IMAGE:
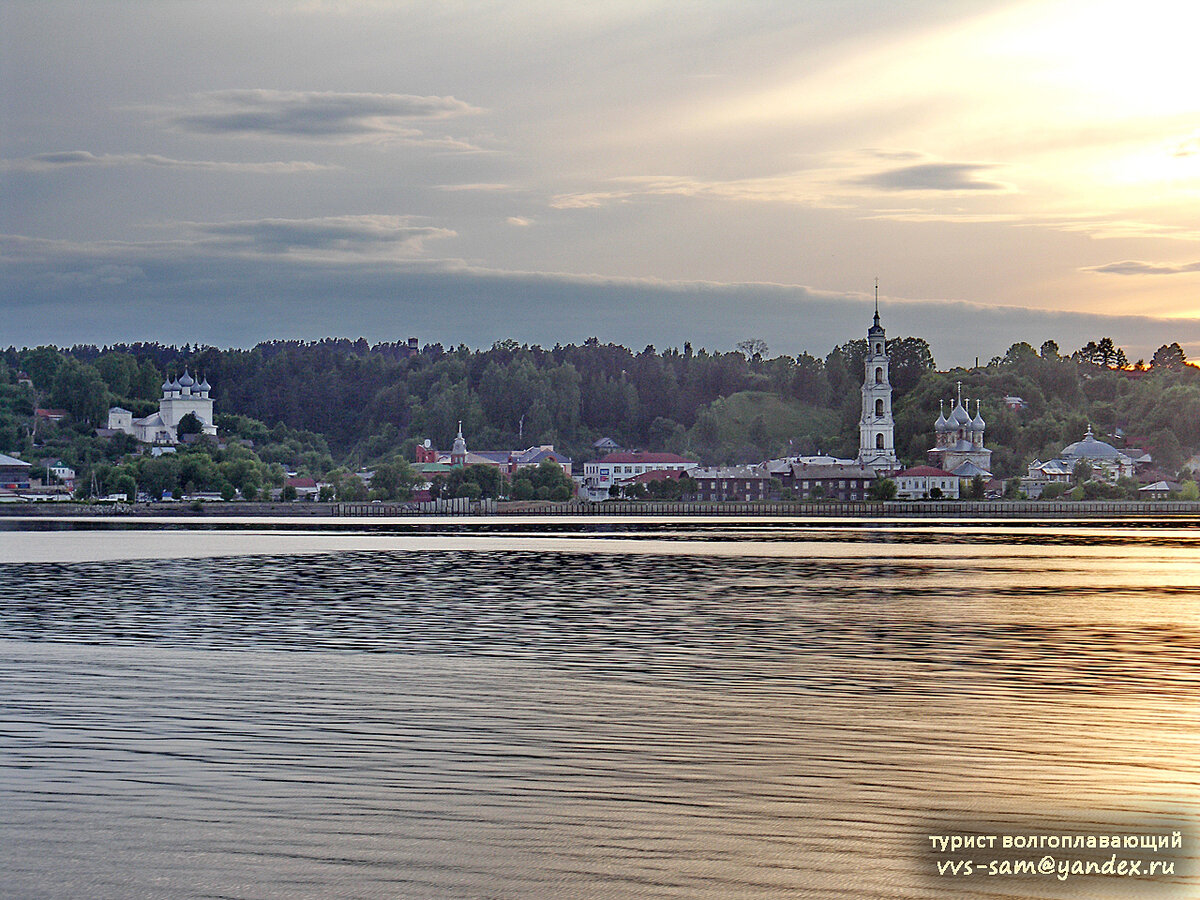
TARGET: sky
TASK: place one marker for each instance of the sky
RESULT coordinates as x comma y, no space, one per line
644,172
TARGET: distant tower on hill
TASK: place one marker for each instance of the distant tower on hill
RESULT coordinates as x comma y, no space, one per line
876,427
458,453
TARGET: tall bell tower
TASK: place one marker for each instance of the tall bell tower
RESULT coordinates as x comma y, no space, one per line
876,428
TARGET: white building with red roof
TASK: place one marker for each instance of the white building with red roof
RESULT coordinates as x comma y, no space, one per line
926,483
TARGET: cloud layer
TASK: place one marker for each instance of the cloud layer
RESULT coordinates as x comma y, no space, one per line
1138,267
336,236
243,282
72,159
313,115
933,177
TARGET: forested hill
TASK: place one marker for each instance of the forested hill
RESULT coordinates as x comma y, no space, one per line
339,401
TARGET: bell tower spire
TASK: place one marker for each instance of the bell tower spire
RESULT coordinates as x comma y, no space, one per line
876,427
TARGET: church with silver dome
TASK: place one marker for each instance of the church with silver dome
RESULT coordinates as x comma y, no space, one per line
959,448
180,396
1106,461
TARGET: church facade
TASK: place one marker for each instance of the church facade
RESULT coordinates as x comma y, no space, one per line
180,397
876,427
959,441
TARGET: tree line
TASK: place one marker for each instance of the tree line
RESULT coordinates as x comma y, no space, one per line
322,406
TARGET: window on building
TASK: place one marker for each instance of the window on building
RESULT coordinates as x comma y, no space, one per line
879,407
879,374
879,442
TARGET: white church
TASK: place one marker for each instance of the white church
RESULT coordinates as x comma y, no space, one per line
180,397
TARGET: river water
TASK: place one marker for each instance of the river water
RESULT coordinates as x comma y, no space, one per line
578,709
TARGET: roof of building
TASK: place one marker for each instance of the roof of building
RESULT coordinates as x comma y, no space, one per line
924,472
1053,467
834,470
1090,448
961,446
969,470
50,413
727,472
431,468
641,456
535,455
12,462
959,417
302,482
1160,487
655,475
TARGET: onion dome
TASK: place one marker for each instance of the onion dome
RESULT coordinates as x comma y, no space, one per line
941,426
176,386
166,386
205,386
978,424
959,417
187,380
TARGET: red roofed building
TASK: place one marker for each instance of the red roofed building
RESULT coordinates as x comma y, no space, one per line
919,482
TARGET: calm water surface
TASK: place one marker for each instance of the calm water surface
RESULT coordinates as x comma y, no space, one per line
576,710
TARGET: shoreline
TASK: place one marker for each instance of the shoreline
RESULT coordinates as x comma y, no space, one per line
898,509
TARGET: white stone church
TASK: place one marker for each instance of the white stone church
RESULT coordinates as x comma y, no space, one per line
180,397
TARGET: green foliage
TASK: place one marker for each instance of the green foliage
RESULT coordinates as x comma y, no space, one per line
1054,490
976,489
311,407
393,480
759,425
1189,491
882,489
1169,356
546,481
79,389
472,482
1104,353
189,424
